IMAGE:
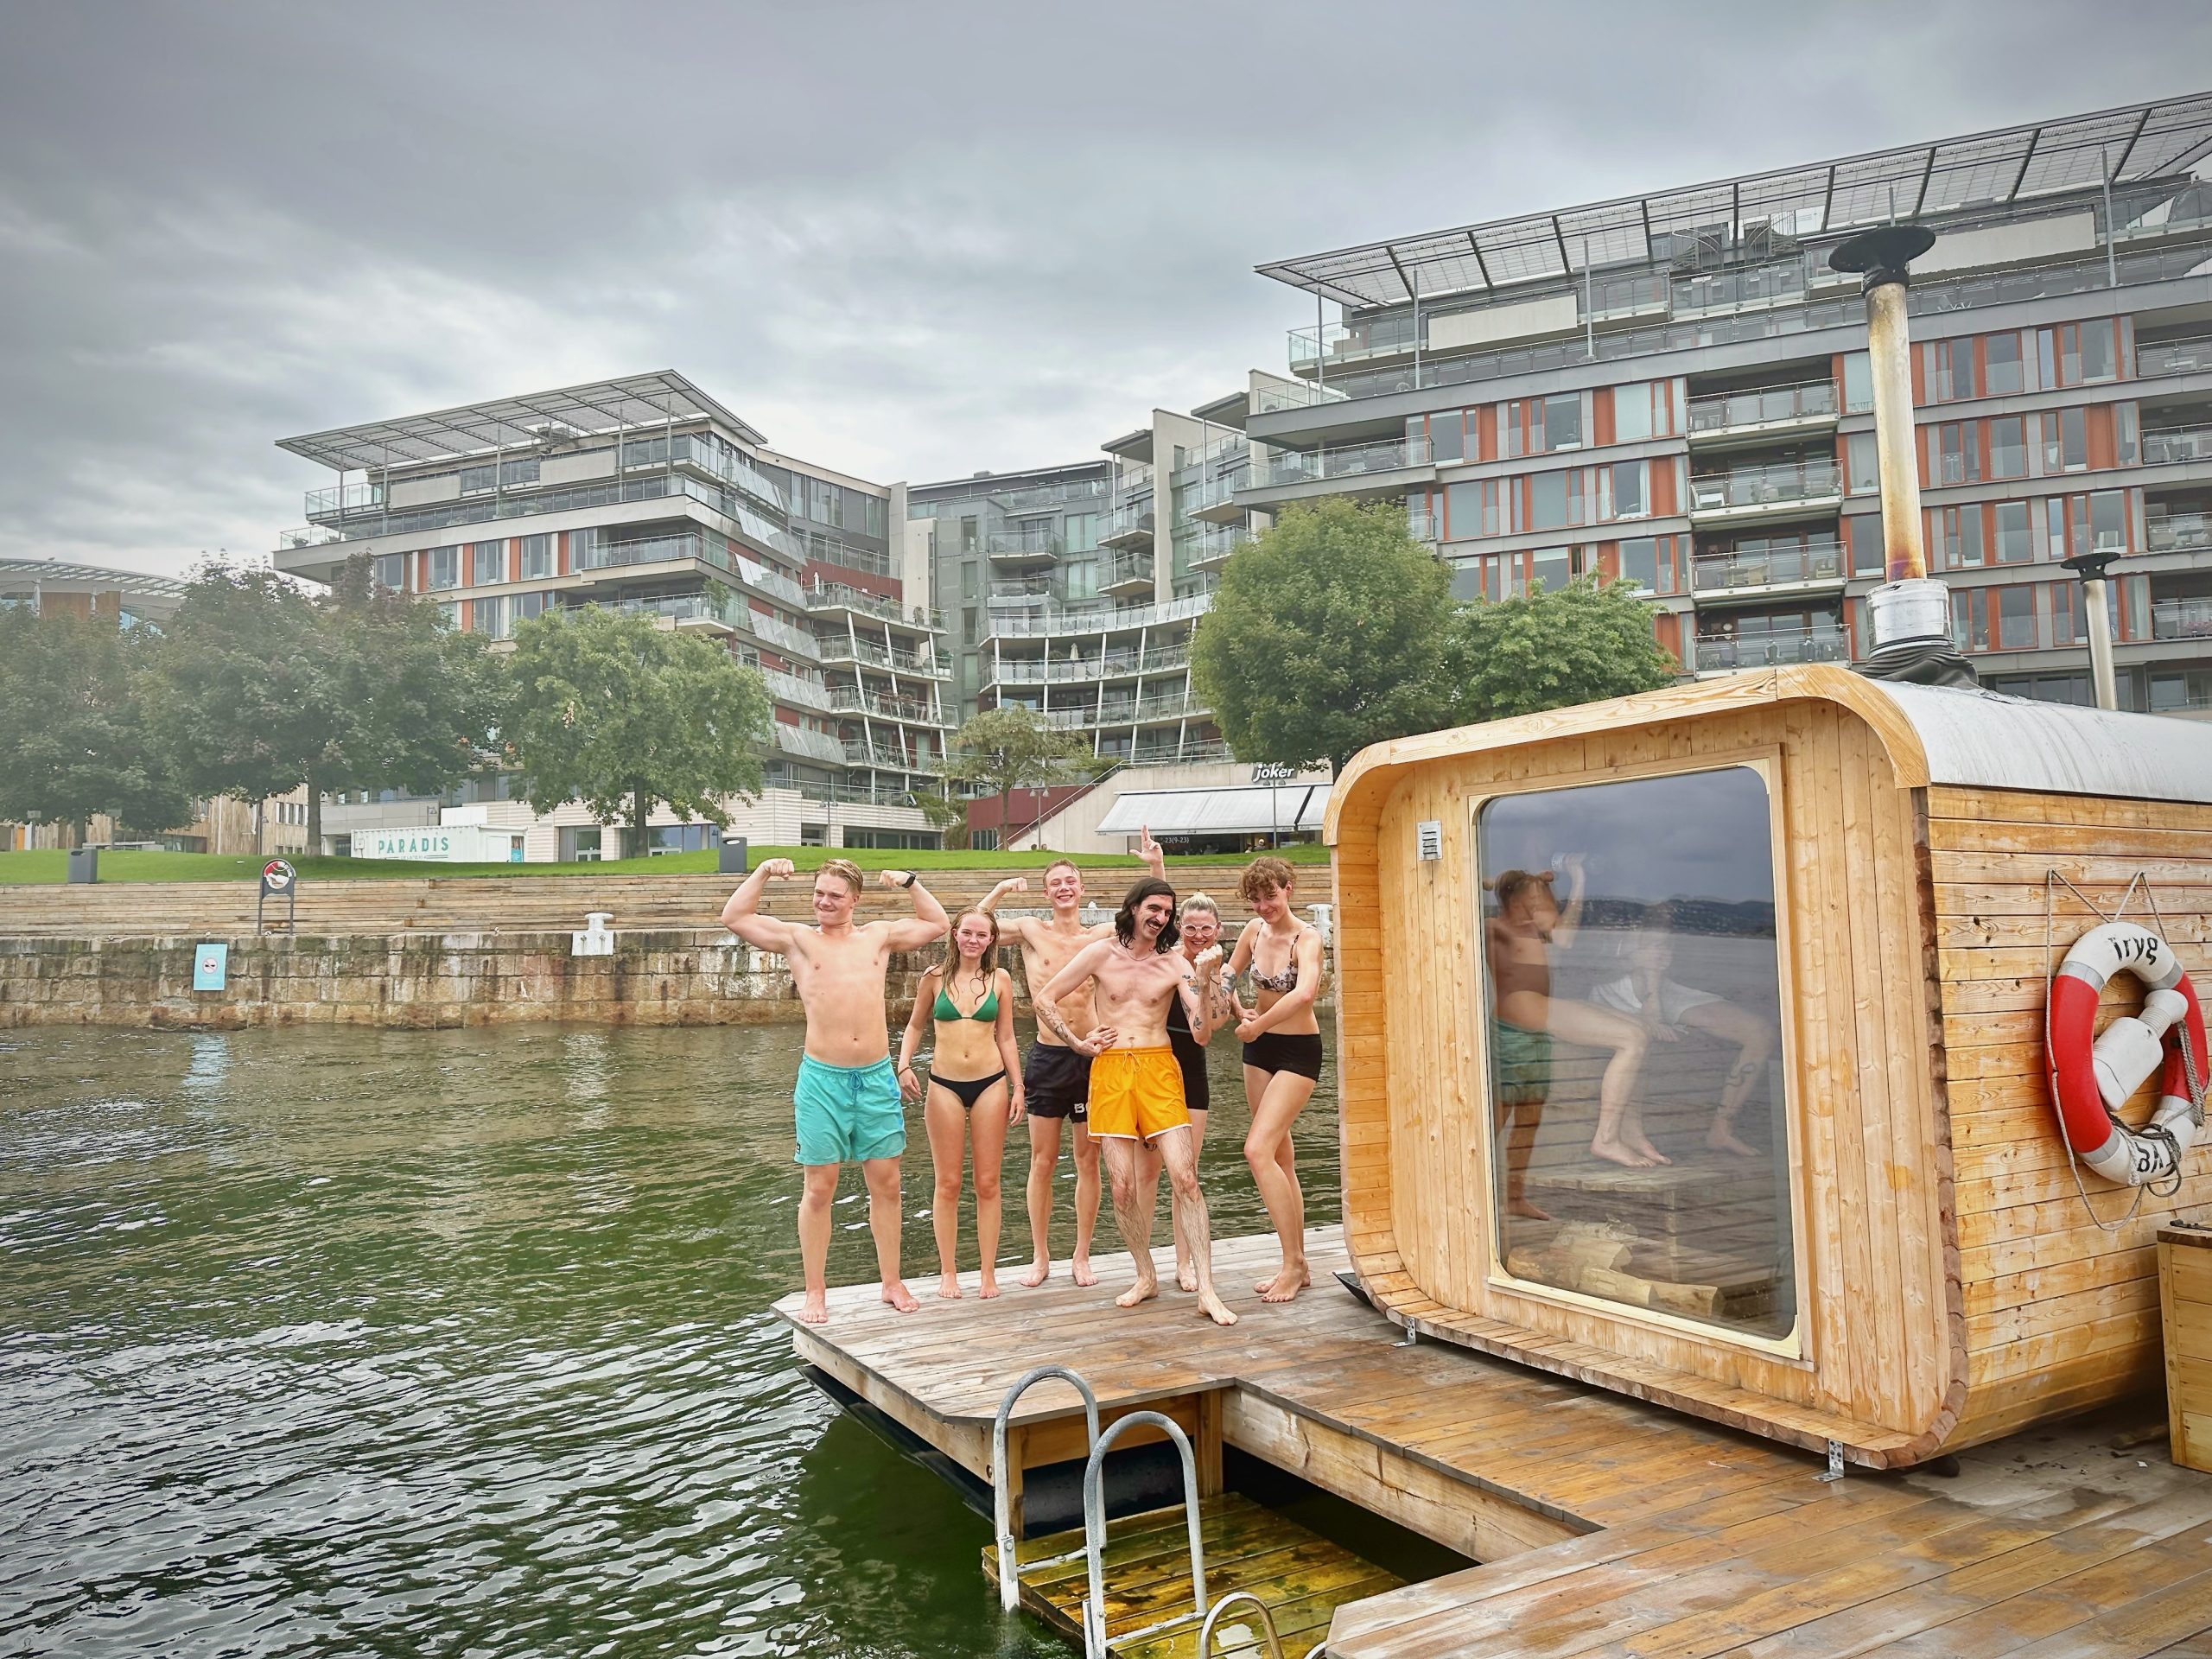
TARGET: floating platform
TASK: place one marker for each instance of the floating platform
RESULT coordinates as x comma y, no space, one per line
1603,1524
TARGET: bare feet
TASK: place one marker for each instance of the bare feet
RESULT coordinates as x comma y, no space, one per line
1642,1142
1143,1291
1085,1274
1620,1152
1526,1211
948,1286
896,1293
1038,1272
989,1287
1186,1276
1284,1283
1210,1305
1721,1137
814,1310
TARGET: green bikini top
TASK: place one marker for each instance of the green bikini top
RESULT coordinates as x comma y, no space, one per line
946,1008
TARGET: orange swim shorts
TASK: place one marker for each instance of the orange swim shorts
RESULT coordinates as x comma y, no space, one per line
1136,1094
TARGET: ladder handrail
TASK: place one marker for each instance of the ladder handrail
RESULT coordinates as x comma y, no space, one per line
1266,1623
1001,1507
1094,1525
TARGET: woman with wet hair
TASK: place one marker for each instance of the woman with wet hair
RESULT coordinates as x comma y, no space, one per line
1282,1056
974,1091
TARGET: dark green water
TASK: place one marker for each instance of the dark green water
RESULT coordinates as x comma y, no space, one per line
454,1344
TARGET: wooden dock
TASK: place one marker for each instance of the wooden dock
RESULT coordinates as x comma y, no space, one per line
1604,1525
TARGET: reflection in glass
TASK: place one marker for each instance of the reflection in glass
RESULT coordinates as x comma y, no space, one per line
1631,980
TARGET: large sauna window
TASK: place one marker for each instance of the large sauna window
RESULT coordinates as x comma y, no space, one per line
1632,982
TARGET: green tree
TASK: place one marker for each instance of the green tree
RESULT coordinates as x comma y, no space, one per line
948,812
259,688
608,709
73,737
1010,748
1553,648
1328,635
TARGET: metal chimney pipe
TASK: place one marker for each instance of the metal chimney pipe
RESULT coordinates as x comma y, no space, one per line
1909,614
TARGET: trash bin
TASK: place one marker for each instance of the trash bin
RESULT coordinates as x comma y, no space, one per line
83,864
731,852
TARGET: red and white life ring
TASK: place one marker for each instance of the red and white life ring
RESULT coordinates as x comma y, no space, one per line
2092,1074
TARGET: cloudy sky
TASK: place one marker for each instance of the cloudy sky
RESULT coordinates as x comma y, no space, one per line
909,240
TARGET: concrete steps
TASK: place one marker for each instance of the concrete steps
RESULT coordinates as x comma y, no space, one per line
525,904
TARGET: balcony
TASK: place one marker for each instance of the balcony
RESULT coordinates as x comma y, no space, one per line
1383,339
1118,711
1768,648
815,746
1424,525
306,535
1767,412
1288,467
2177,532
1214,500
1019,550
1161,749
2180,618
829,598
342,499
1128,525
1126,574
859,752
851,700
1168,656
2177,444
768,581
1738,571
1025,593
1098,620
1788,488
792,688
1070,720
1214,543
1172,705
1036,497
2159,357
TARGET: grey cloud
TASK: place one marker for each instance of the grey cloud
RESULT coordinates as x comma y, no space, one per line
909,240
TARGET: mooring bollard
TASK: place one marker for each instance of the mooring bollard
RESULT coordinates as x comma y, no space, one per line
595,940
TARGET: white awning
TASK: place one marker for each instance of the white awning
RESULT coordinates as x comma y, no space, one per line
1243,809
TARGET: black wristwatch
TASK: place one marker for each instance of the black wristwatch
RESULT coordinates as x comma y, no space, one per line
912,876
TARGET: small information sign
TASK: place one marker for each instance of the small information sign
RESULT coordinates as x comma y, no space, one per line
211,966
278,880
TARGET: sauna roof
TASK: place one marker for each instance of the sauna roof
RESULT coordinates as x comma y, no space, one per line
1933,735
1243,810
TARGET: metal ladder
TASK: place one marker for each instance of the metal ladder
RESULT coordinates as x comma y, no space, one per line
1094,1532
1001,1505
1267,1625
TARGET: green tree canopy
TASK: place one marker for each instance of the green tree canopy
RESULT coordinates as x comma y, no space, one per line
1581,643
1010,748
1328,635
73,737
259,687
608,709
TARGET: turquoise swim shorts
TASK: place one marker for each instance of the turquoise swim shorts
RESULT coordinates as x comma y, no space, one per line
1520,1061
847,1114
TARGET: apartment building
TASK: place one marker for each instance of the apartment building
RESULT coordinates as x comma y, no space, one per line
644,494
1672,388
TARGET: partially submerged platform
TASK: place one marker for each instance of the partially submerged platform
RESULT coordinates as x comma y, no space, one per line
1604,1525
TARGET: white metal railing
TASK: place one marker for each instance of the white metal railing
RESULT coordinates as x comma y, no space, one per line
1768,406
1815,562
2176,533
1765,486
1345,461
2180,618
2158,357
2177,444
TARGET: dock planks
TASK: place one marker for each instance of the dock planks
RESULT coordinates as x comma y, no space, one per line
1608,1525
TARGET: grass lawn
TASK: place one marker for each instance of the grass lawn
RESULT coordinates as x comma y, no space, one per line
47,868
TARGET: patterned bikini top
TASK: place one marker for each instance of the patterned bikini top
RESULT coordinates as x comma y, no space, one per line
1285,980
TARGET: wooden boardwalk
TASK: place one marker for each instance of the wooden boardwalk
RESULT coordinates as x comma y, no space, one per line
1605,1525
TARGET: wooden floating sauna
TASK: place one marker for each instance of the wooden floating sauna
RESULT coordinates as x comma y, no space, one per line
1793,925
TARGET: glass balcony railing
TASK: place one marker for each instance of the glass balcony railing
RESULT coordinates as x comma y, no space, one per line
1783,567
1125,572
2177,532
2180,618
1213,543
1172,707
1346,460
814,746
1755,487
1118,711
859,752
1068,719
795,689
1334,343
851,700
836,596
1218,492
1074,493
755,575
593,554
1770,649
1127,522
1097,619
2160,357
344,497
1737,412
1424,525
1037,544
2177,444
307,536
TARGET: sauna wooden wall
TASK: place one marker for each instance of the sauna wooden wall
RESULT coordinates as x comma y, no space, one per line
2059,1314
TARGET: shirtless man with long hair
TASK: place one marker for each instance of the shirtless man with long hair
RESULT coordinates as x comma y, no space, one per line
846,1102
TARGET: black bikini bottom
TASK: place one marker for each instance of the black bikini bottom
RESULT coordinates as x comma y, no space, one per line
969,1090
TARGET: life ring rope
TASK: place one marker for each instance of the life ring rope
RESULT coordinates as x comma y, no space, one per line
2067,1095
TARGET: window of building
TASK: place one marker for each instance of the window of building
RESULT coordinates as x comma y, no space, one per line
1447,434
1640,565
1862,535
487,563
445,569
1955,537
1082,532
2014,543
971,579
661,839
1467,578
1627,489
2108,521
1953,454
2008,446
969,632
1080,577
390,572
1548,500
1685,866
449,614
2002,369
969,542
1858,383
1946,370
1862,469
537,557
488,617
1995,619
526,605
476,480
2125,434
588,843
2065,440
1470,509
1563,422
1550,567
2100,355
1632,413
